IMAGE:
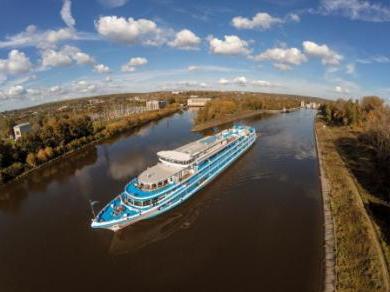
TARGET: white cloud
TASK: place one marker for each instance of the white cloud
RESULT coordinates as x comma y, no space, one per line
82,58
374,59
56,89
241,80
133,64
101,68
193,68
16,63
223,81
340,89
261,20
284,58
40,39
231,45
64,57
185,40
66,13
138,61
328,56
356,10
113,3
83,86
350,68
130,31
282,67
294,17
262,83
17,91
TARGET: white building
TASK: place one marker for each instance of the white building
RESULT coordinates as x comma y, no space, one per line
199,101
21,130
155,104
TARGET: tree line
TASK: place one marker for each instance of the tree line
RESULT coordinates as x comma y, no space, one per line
220,108
53,136
371,116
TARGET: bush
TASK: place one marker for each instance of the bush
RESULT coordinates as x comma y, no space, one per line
32,160
12,171
41,156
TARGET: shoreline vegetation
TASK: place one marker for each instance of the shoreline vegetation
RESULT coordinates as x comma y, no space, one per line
238,116
354,151
225,110
58,138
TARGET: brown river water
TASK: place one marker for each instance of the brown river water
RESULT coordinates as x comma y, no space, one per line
257,227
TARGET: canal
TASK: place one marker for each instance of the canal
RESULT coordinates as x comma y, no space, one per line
257,227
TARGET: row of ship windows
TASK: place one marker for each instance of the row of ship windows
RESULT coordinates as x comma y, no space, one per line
177,161
153,202
153,186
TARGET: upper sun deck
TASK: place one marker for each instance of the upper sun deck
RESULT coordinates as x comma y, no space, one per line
187,154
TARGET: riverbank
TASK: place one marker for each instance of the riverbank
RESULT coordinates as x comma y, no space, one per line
111,129
235,117
360,263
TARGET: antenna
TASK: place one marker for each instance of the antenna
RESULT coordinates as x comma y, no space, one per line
92,203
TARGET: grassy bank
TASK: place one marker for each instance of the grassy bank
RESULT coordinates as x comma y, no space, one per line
103,131
362,246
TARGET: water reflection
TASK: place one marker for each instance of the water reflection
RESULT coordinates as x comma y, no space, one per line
13,194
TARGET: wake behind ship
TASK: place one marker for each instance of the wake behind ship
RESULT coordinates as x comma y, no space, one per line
179,174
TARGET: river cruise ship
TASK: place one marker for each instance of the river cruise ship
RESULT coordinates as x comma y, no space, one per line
178,175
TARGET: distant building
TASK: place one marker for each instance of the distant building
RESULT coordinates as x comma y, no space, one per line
199,101
21,130
302,103
155,104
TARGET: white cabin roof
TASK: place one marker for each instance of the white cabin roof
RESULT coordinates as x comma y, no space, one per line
157,173
174,155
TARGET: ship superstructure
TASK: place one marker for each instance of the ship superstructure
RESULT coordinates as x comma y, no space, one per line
178,175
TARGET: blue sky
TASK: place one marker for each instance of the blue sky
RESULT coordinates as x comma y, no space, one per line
58,49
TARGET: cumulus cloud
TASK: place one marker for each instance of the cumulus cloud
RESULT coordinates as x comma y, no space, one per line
82,86
223,81
17,91
327,56
294,17
129,30
40,39
356,10
101,68
66,13
113,3
185,40
231,45
133,64
283,58
340,89
16,63
243,81
64,57
261,20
